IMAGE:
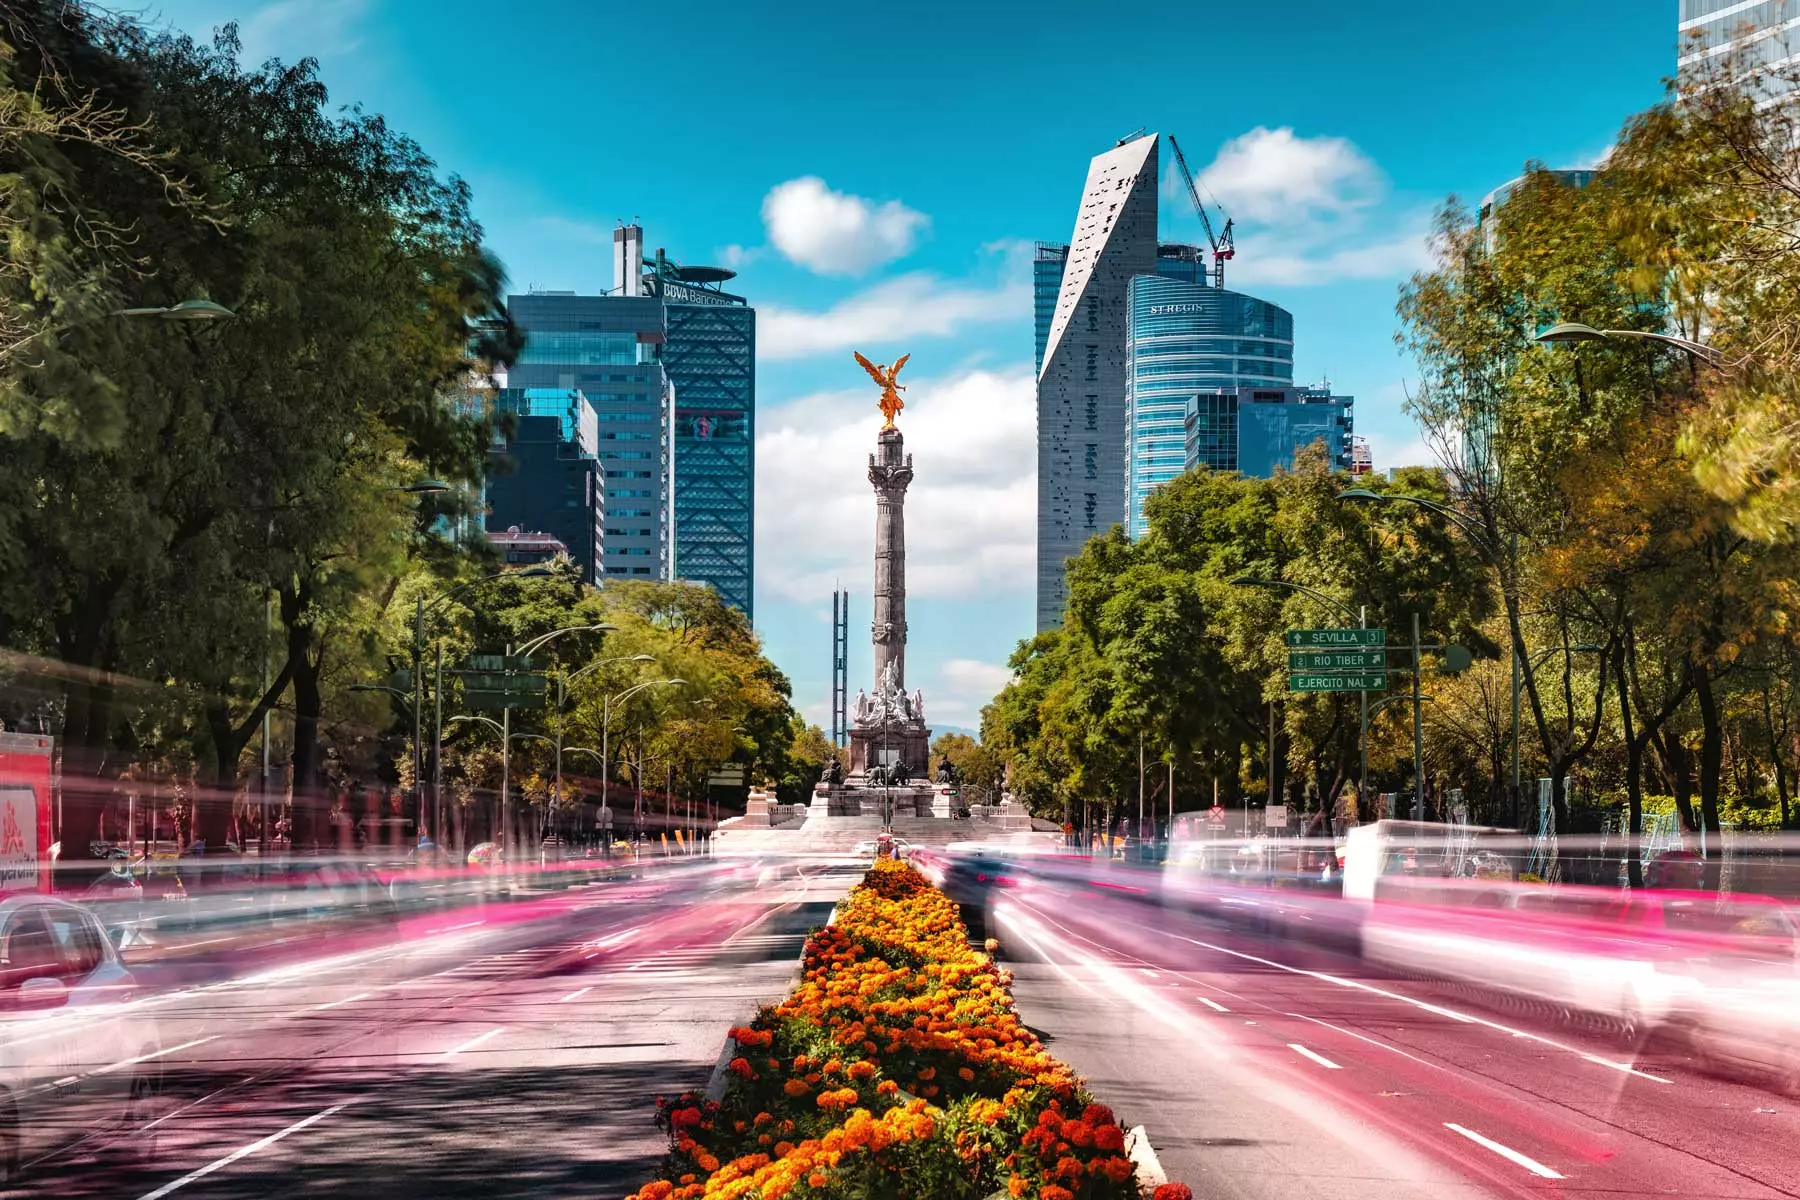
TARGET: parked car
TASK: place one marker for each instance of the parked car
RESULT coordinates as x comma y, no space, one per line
68,1035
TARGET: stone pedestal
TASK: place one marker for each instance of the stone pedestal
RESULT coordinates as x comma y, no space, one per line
760,810
835,800
908,742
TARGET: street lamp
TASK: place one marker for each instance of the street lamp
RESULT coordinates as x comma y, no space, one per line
562,682
187,310
507,738
421,609
1571,332
1508,583
606,732
1362,621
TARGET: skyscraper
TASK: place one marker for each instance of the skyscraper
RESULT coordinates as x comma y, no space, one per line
1762,35
546,475
1082,373
609,349
1186,337
1256,430
710,359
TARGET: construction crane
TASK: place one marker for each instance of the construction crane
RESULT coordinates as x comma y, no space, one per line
1222,245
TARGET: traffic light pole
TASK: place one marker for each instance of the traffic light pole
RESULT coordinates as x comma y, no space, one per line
1418,730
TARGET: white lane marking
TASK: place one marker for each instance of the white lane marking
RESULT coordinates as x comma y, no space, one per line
1362,1037
1437,1009
1619,1066
120,1066
244,1152
1297,1048
472,1042
575,995
1149,972
1506,1152
1212,1004
345,1000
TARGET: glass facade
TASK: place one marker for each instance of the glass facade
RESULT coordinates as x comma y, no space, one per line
1046,281
1257,430
610,349
1186,338
545,477
710,358
1762,36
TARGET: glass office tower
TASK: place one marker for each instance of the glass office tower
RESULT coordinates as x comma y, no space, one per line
1187,338
609,348
1763,35
1257,430
710,359
546,477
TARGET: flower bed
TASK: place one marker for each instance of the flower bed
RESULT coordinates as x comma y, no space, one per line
896,1068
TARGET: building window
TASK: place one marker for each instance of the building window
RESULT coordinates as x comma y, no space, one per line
1093,461
1093,363
1093,414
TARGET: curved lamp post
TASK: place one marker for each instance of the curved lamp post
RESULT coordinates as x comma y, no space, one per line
1508,574
562,683
420,612
1570,332
606,733
1362,621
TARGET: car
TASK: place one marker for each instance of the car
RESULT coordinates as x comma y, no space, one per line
72,1045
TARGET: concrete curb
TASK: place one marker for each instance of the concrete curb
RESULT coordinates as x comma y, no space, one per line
1150,1173
715,1084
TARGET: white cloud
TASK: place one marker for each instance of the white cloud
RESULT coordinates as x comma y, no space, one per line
835,233
971,510
914,305
1308,211
963,687
1272,175
1296,259
295,29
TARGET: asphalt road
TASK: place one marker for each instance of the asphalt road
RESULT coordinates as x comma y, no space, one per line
1266,1068
507,1049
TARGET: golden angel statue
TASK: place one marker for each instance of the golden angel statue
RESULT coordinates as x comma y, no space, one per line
891,404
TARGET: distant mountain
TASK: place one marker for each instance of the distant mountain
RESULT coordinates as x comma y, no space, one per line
937,729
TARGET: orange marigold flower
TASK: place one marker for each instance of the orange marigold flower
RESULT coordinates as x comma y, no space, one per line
795,1088
1172,1191
927,1072
1052,1192
1109,1137
783,1149
706,1162
1116,1169
1017,1186
887,1087
862,1070
1097,1114
1068,1167
965,1074
817,1179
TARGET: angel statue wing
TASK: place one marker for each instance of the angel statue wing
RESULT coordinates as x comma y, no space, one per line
873,370
894,371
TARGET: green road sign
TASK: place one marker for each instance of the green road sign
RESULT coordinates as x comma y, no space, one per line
496,663
1331,639
1314,661
1337,683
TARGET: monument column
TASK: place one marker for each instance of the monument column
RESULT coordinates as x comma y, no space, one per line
890,471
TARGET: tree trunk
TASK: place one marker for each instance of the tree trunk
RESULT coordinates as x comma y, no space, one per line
1781,781
1711,757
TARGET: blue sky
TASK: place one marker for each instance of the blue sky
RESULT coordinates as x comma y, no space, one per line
877,173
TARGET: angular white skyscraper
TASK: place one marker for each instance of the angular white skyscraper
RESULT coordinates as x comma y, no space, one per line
1081,379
